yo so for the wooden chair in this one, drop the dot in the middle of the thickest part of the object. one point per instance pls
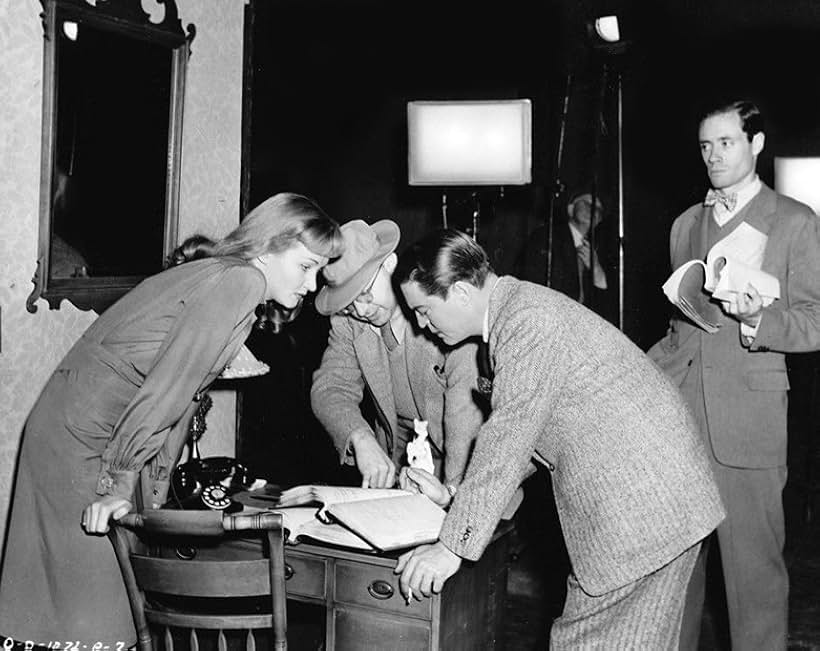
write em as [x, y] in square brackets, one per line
[149, 578]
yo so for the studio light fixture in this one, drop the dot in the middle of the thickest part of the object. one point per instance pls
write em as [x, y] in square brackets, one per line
[799, 178]
[70, 30]
[609, 34]
[607, 28]
[469, 143]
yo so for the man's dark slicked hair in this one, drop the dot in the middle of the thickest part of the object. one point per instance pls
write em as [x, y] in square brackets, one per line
[751, 119]
[440, 259]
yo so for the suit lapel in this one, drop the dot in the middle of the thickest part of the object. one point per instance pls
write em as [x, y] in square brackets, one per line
[699, 242]
[422, 358]
[375, 366]
[505, 286]
[760, 210]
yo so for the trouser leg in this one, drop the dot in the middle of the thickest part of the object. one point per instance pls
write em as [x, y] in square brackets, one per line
[645, 614]
[751, 542]
[695, 597]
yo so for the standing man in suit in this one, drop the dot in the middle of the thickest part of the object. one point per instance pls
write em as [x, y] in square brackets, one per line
[631, 479]
[735, 379]
[373, 349]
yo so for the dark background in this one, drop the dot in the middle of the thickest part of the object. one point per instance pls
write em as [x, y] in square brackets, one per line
[331, 81]
[328, 82]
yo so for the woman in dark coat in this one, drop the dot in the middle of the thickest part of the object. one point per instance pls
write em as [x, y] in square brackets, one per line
[121, 399]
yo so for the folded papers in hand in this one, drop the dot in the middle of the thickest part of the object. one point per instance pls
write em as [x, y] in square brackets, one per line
[732, 264]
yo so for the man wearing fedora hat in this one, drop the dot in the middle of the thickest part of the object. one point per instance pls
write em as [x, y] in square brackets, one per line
[374, 350]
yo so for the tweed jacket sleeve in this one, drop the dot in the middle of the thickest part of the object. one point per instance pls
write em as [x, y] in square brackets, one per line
[506, 443]
[338, 386]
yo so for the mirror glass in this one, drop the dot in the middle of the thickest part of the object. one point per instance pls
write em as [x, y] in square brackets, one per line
[108, 183]
[112, 120]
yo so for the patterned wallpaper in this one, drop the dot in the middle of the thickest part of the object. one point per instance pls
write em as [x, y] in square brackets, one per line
[31, 345]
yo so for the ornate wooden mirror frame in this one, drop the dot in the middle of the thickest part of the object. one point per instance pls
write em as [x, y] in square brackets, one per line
[113, 81]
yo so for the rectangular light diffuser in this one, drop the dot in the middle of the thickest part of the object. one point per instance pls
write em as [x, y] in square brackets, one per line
[799, 178]
[469, 142]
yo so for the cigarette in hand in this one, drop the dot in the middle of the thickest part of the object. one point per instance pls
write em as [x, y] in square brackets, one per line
[409, 595]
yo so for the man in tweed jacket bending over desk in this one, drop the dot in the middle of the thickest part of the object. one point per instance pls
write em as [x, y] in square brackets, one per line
[631, 479]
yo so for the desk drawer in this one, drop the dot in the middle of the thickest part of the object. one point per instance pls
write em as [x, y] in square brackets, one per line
[361, 629]
[305, 576]
[375, 587]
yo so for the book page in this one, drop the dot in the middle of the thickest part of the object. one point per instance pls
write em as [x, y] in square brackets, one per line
[734, 263]
[318, 494]
[301, 522]
[684, 289]
[679, 283]
[404, 521]
[734, 277]
[745, 244]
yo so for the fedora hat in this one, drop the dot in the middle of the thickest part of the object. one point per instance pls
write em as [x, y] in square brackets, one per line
[365, 248]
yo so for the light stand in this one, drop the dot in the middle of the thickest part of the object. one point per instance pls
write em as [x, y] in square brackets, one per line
[606, 40]
[621, 227]
[558, 187]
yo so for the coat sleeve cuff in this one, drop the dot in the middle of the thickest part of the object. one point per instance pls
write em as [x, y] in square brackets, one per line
[119, 483]
[346, 453]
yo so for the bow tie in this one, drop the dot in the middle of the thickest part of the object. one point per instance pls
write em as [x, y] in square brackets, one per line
[714, 197]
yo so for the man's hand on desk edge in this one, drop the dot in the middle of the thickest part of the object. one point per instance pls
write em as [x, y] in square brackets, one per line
[377, 470]
[425, 569]
[417, 480]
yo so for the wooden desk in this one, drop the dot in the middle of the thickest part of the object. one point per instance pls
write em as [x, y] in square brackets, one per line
[365, 610]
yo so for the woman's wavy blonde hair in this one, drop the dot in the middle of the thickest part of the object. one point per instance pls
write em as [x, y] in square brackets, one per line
[272, 227]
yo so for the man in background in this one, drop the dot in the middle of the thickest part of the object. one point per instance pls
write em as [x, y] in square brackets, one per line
[735, 380]
[373, 350]
[576, 266]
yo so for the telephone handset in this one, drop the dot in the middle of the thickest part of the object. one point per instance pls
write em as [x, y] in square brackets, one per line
[208, 483]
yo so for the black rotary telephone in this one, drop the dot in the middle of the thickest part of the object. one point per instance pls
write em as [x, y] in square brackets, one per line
[206, 483]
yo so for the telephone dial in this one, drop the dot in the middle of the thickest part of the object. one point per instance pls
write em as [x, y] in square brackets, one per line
[208, 483]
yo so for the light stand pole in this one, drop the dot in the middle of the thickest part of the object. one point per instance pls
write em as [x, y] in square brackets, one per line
[558, 187]
[621, 224]
[607, 41]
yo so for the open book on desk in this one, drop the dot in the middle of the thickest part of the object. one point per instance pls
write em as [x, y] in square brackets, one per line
[732, 264]
[380, 519]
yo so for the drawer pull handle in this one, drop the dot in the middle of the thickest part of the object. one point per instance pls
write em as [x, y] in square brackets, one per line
[186, 553]
[380, 589]
[288, 572]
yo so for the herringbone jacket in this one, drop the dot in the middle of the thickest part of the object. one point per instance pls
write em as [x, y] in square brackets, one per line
[631, 479]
